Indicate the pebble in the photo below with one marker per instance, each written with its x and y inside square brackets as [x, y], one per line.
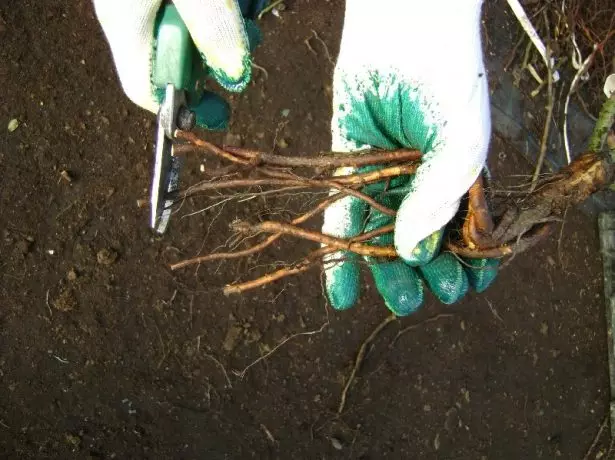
[337, 445]
[282, 143]
[13, 125]
[106, 256]
[71, 275]
[544, 328]
[232, 336]
[23, 247]
[66, 301]
[64, 174]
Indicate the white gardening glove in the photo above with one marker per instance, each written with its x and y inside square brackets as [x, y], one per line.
[410, 73]
[216, 27]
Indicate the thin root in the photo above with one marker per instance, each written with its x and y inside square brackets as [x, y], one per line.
[359, 359]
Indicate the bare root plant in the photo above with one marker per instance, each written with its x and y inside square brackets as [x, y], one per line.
[522, 223]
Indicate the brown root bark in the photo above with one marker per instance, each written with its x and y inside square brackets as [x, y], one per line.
[524, 223]
[572, 185]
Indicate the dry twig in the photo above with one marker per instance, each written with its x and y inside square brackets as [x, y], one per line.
[547, 128]
[359, 359]
[596, 438]
[417, 325]
[241, 374]
[220, 365]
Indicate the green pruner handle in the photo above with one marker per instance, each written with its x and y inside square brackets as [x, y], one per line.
[178, 62]
[175, 50]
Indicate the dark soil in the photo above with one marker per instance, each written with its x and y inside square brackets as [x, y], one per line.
[106, 353]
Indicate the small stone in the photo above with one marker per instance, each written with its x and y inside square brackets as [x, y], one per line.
[280, 317]
[254, 335]
[337, 445]
[285, 112]
[427, 407]
[544, 328]
[106, 256]
[282, 143]
[233, 140]
[13, 125]
[317, 398]
[462, 325]
[141, 203]
[609, 85]
[71, 275]
[66, 301]
[23, 247]
[64, 174]
[74, 441]
[436, 442]
[232, 336]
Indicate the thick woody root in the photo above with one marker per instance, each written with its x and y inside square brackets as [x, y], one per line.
[572, 185]
[328, 160]
[525, 224]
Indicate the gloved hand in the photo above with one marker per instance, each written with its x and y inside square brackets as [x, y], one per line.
[218, 30]
[410, 74]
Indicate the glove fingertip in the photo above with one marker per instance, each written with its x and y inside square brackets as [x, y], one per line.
[446, 278]
[222, 40]
[399, 286]
[229, 77]
[342, 281]
[424, 251]
[212, 112]
[482, 273]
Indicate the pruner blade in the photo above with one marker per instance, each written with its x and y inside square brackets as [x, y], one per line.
[166, 165]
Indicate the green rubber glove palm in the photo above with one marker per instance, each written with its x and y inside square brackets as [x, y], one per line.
[389, 97]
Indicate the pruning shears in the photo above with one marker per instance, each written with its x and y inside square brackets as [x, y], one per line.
[171, 75]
